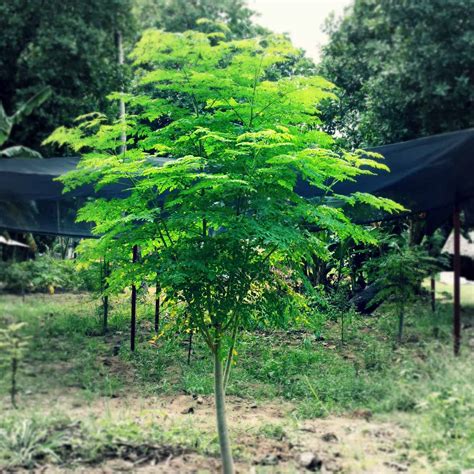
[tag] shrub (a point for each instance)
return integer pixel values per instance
(47, 274)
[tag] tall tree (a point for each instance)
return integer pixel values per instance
(182, 15)
(220, 224)
(67, 45)
(404, 69)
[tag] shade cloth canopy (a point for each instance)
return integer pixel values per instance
(428, 175)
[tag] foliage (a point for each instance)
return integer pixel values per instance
(68, 46)
(183, 15)
(398, 274)
(47, 274)
(71, 47)
(7, 123)
(420, 384)
(219, 223)
(403, 69)
(13, 346)
(29, 442)
(24, 442)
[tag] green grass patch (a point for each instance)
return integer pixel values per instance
(419, 383)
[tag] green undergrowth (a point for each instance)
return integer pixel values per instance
(28, 440)
(420, 384)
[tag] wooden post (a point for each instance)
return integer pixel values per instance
(133, 319)
(457, 280)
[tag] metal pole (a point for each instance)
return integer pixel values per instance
(433, 294)
(105, 298)
(457, 280)
(157, 307)
(133, 319)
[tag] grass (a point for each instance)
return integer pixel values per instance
(26, 440)
(420, 384)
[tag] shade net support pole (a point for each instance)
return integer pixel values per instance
(433, 293)
(133, 309)
(157, 307)
(457, 280)
(105, 297)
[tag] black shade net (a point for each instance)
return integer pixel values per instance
(428, 176)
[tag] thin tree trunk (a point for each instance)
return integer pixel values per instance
(190, 346)
(401, 318)
(106, 314)
(224, 442)
(230, 356)
(157, 307)
(121, 61)
(13, 384)
(342, 328)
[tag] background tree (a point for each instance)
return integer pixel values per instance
(220, 225)
(71, 47)
(182, 15)
(404, 69)
(67, 45)
(8, 122)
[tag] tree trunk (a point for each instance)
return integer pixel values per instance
(157, 307)
(342, 328)
(13, 381)
(401, 318)
(121, 61)
(190, 347)
(230, 356)
(226, 453)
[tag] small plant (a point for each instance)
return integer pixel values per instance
(46, 274)
(22, 442)
(13, 346)
(398, 275)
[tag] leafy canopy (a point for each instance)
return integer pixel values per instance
(404, 69)
(217, 217)
(182, 15)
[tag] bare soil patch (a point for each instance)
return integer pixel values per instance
(267, 438)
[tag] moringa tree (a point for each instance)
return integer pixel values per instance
(218, 221)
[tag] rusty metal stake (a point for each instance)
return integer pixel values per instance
(457, 280)
(133, 319)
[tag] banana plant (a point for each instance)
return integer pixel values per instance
(7, 122)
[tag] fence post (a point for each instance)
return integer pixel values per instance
(457, 280)
(133, 319)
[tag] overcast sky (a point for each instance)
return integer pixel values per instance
(302, 19)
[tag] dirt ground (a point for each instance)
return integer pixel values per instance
(357, 443)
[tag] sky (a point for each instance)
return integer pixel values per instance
(302, 19)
